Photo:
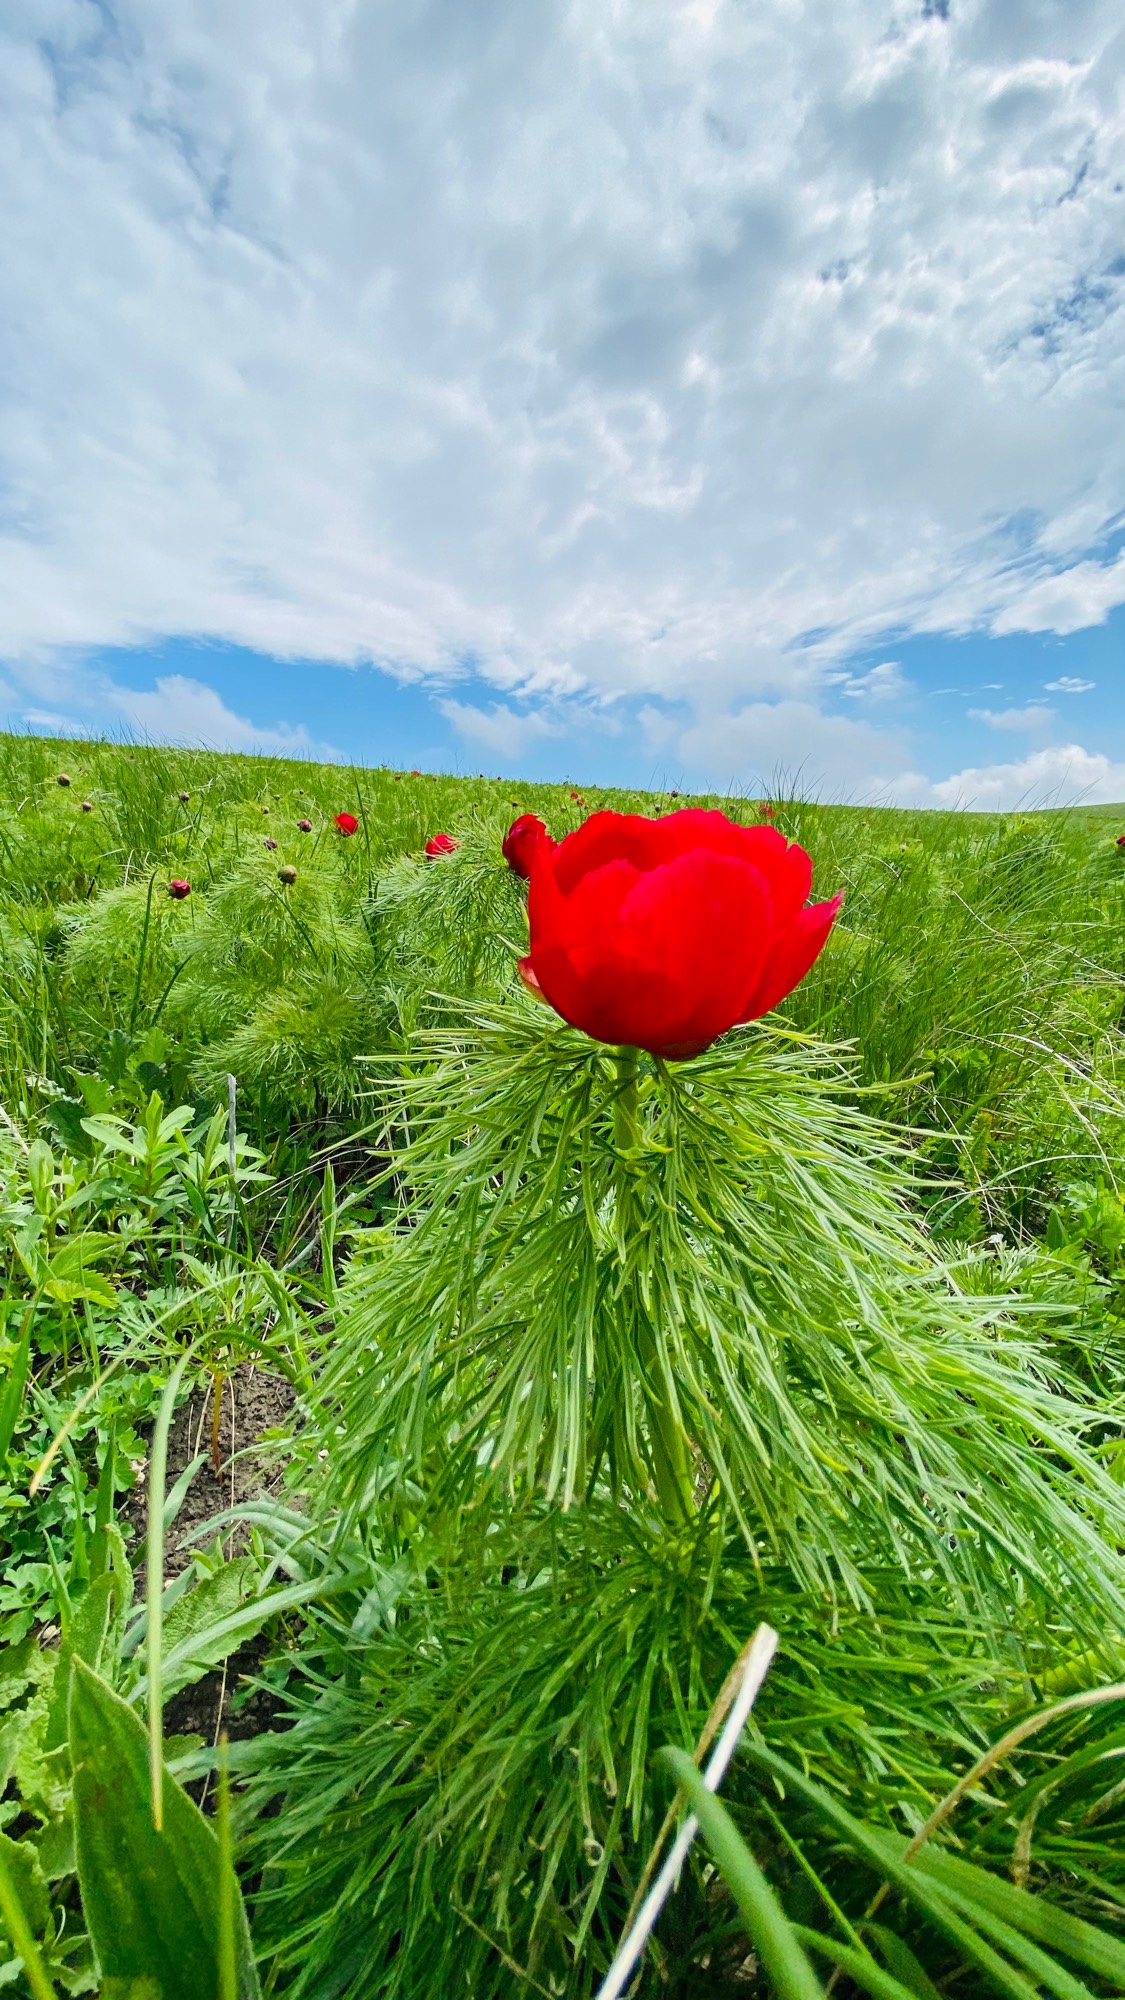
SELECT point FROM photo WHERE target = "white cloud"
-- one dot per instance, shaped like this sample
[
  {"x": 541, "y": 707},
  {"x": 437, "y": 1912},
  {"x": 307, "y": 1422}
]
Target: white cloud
[
  {"x": 1027, "y": 719},
  {"x": 1066, "y": 775},
  {"x": 504, "y": 732},
  {"x": 180, "y": 710},
  {"x": 885, "y": 682},
  {"x": 1068, "y": 684},
  {"x": 1066, "y": 602},
  {"x": 176, "y": 709},
  {"x": 607, "y": 350},
  {"x": 785, "y": 745}
]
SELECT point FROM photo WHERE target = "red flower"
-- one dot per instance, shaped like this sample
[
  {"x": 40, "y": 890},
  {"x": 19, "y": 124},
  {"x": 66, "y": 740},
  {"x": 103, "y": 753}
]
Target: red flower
[
  {"x": 178, "y": 888},
  {"x": 439, "y": 844},
  {"x": 664, "y": 933},
  {"x": 304, "y": 826},
  {"x": 347, "y": 823},
  {"x": 1121, "y": 840},
  {"x": 521, "y": 841}
]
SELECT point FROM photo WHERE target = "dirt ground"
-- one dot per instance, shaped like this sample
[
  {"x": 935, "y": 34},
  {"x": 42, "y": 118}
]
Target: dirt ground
[{"x": 253, "y": 1401}]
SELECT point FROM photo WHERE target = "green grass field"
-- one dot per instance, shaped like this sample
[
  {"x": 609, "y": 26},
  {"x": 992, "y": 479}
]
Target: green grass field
[{"x": 861, "y": 1265}]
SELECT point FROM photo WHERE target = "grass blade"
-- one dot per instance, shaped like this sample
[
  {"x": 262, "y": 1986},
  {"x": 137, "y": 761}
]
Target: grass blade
[
  {"x": 771, "y": 1933},
  {"x": 154, "y": 1582}
]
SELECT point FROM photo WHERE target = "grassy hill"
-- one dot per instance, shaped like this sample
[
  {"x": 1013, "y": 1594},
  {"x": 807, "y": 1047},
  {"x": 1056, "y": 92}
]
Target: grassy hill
[{"x": 426, "y": 1184}]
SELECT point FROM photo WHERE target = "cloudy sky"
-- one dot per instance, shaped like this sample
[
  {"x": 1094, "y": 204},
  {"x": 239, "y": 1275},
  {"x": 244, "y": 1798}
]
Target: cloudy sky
[{"x": 683, "y": 391}]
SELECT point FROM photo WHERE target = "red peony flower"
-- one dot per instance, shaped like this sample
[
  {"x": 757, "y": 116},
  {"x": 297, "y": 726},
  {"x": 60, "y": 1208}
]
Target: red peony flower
[
  {"x": 347, "y": 823},
  {"x": 178, "y": 888},
  {"x": 304, "y": 826},
  {"x": 439, "y": 844},
  {"x": 661, "y": 934},
  {"x": 520, "y": 842},
  {"x": 1121, "y": 840}
]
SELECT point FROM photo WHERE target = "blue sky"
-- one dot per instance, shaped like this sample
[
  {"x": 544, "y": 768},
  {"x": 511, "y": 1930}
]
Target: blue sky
[{"x": 682, "y": 392}]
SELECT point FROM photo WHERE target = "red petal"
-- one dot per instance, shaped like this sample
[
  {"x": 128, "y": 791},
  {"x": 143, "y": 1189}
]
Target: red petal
[
  {"x": 792, "y": 955},
  {"x": 662, "y": 959}
]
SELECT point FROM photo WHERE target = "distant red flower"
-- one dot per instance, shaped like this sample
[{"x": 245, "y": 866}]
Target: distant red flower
[
  {"x": 521, "y": 841},
  {"x": 439, "y": 844},
  {"x": 1121, "y": 840},
  {"x": 304, "y": 826},
  {"x": 415, "y": 774},
  {"x": 574, "y": 795},
  {"x": 178, "y": 888},
  {"x": 662, "y": 934},
  {"x": 347, "y": 823}
]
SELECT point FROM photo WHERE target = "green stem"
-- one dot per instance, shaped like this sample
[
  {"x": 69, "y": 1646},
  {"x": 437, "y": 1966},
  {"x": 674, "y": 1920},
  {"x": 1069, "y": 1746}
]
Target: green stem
[
  {"x": 671, "y": 1458},
  {"x": 141, "y": 957}
]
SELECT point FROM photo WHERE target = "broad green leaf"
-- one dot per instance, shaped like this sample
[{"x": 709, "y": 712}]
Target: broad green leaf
[
  {"x": 54, "y": 1845},
  {"x": 26, "y": 1878},
  {"x": 83, "y": 1639},
  {"x": 12, "y": 1402},
  {"x": 97, "y": 1290},
  {"x": 21, "y": 1667},
  {"x": 197, "y": 1631},
  {"x": 152, "y": 1900}
]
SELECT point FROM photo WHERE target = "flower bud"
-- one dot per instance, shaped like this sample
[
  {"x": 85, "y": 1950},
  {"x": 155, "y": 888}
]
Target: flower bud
[
  {"x": 271, "y": 844},
  {"x": 87, "y": 807},
  {"x": 288, "y": 874},
  {"x": 304, "y": 826},
  {"x": 178, "y": 888},
  {"x": 62, "y": 779},
  {"x": 521, "y": 842}
]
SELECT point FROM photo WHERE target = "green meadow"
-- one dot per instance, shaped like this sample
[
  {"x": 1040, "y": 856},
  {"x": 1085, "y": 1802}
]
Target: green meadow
[{"x": 345, "y": 1621}]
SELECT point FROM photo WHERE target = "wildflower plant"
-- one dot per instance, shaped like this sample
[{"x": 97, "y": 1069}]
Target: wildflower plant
[{"x": 641, "y": 1333}]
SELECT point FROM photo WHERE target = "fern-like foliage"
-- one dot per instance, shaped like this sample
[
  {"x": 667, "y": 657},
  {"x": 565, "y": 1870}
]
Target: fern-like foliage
[{"x": 746, "y": 1283}]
